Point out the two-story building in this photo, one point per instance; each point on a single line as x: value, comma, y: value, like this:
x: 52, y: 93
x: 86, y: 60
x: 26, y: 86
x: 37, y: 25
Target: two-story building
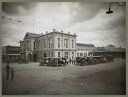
x: 27, y: 47
x: 36, y: 47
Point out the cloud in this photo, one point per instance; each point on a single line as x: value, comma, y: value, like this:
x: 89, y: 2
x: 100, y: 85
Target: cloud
x: 18, y: 7
x: 88, y: 19
x: 87, y: 10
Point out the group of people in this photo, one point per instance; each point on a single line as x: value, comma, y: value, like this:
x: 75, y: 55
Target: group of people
x: 9, y: 71
x: 72, y: 61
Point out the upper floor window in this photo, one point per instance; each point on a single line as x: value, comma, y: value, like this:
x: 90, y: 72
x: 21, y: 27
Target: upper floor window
x: 49, y: 42
x: 27, y: 45
x: 66, y: 43
x: 39, y: 44
x: 44, y: 43
x: 72, y: 43
x: 58, y: 42
x: 34, y: 45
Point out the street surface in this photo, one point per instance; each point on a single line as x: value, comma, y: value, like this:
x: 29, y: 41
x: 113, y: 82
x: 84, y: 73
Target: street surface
x: 32, y: 79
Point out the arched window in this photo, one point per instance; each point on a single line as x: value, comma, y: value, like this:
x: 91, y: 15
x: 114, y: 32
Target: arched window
x: 58, y: 42
x: 81, y: 54
x: 72, y: 43
x: 66, y: 42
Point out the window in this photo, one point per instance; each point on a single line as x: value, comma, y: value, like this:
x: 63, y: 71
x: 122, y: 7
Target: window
x: 34, y: 45
x: 44, y: 43
x: 66, y: 43
x: 81, y: 54
x: 58, y: 42
x: 49, y: 43
x: 66, y: 55
x: 45, y: 55
x: 72, y: 43
x: 84, y: 54
x: 41, y: 43
x: 58, y: 54
x: 27, y: 45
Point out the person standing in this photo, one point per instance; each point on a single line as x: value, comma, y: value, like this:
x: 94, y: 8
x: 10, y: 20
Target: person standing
x: 12, y: 73
x: 7, y: 71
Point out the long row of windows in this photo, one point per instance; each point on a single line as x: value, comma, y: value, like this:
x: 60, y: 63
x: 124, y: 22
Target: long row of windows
x: 66, y: 54
x: 83, y: 54
x: 65, y: 43
x: 43, y: 43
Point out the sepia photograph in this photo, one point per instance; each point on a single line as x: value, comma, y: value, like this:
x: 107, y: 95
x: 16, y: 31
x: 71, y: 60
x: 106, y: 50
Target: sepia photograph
x: 63, y: 48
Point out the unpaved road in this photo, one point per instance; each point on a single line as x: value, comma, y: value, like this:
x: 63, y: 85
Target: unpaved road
x: 32, y: 79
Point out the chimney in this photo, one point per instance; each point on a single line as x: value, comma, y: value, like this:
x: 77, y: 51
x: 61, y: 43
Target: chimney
x: 68, y: 32
x: 46, y: 32
x: 74, y: 33
x: 61, y: 31
x: 41, y: 33
x: 54, y: 30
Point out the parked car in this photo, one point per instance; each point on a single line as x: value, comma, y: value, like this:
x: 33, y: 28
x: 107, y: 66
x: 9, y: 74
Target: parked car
x: 55, y: 62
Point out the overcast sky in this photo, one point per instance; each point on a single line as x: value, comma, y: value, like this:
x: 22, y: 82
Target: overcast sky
x: 87, y: 19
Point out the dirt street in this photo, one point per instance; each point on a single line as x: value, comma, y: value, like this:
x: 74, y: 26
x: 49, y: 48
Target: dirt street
x: 32, y: 79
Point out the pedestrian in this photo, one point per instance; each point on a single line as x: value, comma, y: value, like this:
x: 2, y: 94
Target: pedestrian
x: 7, y: 71
x: 12, y: 73
x: 70, y: 60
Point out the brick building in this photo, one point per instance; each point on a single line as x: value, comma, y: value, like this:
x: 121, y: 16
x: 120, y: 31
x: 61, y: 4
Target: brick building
x: 10, y: 53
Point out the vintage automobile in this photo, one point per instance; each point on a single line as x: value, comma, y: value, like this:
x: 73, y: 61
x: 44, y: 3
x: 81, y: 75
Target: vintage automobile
x: 45, y: 62
x: 55, y: 62
x: 58, y: 62
x: 81, y: 61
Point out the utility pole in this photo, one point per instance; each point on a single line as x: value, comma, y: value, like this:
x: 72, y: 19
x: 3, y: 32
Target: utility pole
x: 33, y: 24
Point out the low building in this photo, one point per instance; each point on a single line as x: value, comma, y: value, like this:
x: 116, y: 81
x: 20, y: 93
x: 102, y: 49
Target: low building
x: 10, y: 53
x: 110, y: 50
x: 84, y: 50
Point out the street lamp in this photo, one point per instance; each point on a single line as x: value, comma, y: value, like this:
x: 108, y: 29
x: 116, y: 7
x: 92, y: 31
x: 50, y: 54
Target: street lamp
x: 110, y: 5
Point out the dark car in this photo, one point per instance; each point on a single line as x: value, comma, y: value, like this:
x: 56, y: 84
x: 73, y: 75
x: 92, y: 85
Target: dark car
x: 44, y: 62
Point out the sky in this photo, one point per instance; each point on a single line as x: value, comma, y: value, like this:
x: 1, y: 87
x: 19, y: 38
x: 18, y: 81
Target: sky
x: 87, y: 19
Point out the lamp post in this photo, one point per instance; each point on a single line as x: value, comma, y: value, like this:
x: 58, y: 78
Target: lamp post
x: 110, y: 5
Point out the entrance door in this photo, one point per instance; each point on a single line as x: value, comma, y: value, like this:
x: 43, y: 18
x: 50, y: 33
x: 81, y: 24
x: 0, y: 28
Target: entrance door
x: 45, y: 55
x: 34, y: 57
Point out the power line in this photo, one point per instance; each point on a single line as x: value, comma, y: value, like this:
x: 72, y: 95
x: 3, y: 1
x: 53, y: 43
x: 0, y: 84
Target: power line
x: 21, y: 21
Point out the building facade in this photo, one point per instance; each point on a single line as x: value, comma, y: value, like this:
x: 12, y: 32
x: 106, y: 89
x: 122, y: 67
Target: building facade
x: 84, y: 50
x: 27, y: 47
x: 36, y: 47
x: 10, y: 53
x: 110, y: 50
